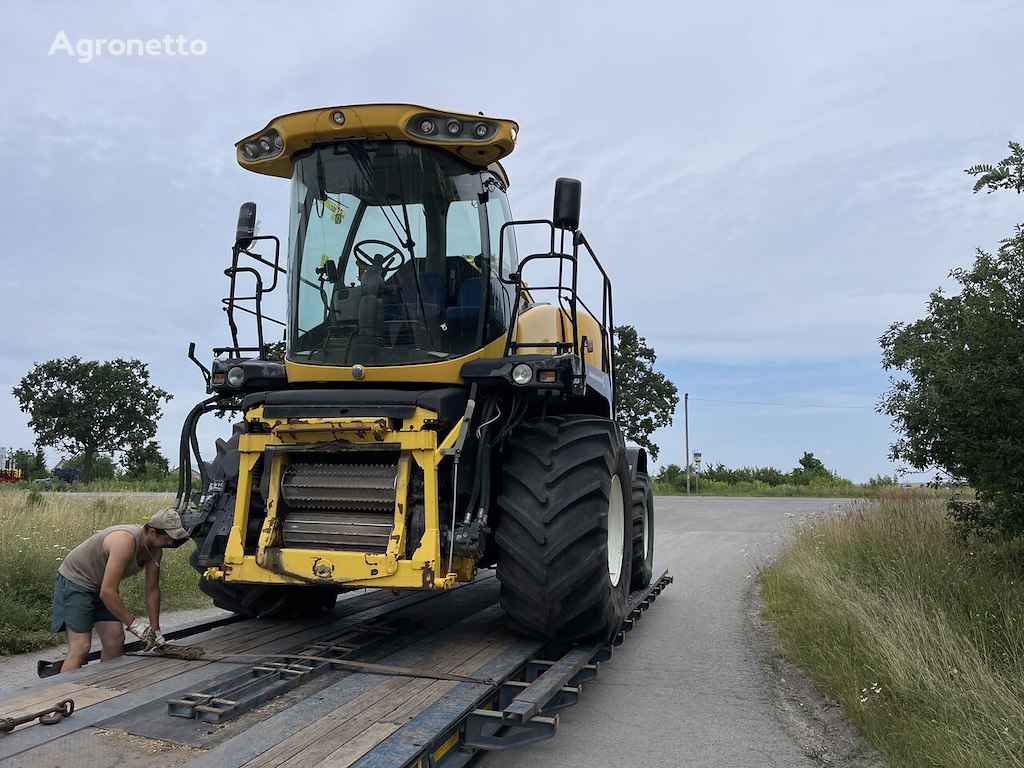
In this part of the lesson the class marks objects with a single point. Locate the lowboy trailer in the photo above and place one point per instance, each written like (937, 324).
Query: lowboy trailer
(409, 679)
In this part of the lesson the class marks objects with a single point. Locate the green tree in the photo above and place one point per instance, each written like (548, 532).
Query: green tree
(32, 465)
(1008, 173)
(39, 463)
(274, 350)
(87, 407)
(647, 399)
(956, 389)
(812, 471)
(769, 476)
(670, 475)
(146, 461)
(103, 467)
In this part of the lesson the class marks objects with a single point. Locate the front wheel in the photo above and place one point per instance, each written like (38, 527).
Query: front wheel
(565, 534)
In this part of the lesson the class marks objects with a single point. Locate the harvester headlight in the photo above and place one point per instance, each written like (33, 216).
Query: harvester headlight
(265, 144)
(250, 151)
(278, 141)
(521, 374)
(236, 376)
(338, 117)
(441, 127)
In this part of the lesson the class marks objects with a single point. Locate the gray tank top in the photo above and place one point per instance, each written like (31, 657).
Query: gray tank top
(85, 563)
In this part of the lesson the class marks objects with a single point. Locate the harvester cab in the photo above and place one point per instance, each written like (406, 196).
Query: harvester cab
(429, 414)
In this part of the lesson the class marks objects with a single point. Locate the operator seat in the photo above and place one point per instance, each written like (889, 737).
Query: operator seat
(463, 316)
(412, 310)
(370, 337)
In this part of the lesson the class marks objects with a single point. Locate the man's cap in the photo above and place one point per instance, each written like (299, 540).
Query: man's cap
(169, 521)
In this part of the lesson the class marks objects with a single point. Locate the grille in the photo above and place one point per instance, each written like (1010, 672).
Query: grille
(339, 506)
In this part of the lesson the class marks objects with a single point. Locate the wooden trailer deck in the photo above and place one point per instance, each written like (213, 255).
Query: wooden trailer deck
(275, 706)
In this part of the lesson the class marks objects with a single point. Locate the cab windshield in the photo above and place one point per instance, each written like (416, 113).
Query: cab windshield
(393, 255)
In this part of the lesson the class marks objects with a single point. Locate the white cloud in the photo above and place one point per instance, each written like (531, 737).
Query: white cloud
(771, 187)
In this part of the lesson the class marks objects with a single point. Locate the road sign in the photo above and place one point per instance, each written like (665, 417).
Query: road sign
(696, 457)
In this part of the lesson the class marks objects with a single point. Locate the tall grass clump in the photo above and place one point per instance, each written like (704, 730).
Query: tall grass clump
(918, 637)
(37, 530)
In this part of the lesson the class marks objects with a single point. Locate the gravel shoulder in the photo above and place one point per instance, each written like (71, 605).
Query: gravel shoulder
(812, 720)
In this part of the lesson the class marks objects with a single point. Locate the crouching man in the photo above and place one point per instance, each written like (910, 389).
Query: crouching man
(86, 591)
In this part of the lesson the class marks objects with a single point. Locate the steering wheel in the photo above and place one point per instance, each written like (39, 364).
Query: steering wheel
(387, 264)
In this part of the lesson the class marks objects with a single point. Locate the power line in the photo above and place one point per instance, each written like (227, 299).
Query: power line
(783, 405)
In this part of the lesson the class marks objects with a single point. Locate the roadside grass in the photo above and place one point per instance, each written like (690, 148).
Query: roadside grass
(37, 530)
(123, 485)
(758, 488)
(109, 485)
(919, 638)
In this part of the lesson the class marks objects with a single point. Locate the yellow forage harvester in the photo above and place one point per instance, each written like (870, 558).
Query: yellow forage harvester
(428, 415)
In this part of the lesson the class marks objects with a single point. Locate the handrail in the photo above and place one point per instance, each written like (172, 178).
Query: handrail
(233, 301)
(567, 296)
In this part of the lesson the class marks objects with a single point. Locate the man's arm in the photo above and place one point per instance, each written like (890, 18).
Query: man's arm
(120, 547)
(153, 589)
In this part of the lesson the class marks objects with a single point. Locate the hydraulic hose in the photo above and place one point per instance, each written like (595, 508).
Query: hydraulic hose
(187, 441)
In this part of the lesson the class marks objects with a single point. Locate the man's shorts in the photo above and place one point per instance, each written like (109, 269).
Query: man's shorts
(77, 608)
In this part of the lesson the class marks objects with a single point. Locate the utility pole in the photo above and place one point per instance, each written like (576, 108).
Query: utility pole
(686, 422)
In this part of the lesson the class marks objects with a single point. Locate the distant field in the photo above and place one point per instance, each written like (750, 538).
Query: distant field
(38, 529)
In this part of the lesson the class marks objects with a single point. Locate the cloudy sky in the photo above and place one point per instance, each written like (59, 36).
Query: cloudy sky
(769, 184)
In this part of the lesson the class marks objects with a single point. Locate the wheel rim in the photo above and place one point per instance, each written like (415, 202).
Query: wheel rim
(616, 531)
(647, 528)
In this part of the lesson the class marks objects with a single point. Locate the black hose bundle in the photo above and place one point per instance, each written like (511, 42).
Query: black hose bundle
(188, 445)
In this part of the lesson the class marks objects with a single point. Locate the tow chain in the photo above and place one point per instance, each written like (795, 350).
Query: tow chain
(50, 716)
(196, 653)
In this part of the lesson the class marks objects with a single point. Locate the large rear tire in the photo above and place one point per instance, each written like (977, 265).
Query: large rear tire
(643, 532)
(565, 533)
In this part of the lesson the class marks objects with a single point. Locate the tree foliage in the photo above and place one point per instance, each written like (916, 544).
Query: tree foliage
(646, 398)
(103, 468)
(811, 471)
(1008, 173)
(145, 462)
(32, 465)
(88, 407)
(957, 391)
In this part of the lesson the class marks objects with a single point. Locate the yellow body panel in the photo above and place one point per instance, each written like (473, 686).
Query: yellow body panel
(272, 563)
(545, 322)
(380, 122)
(442, 372)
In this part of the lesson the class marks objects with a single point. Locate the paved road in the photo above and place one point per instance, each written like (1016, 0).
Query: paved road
(691, 686)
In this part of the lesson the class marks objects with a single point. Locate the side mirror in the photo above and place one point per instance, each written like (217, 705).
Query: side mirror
(567, 204)
(246, 229)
